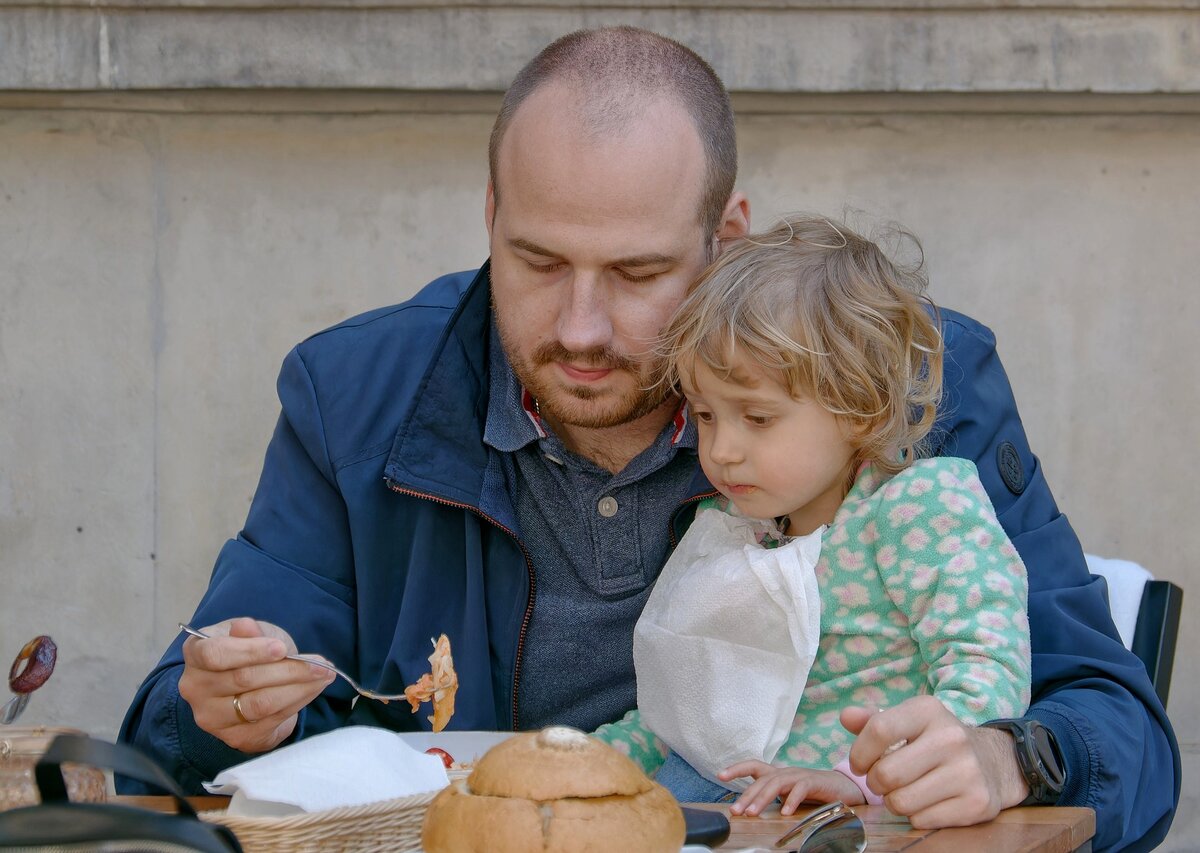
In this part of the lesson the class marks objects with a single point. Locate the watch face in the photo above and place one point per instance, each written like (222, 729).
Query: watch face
(1047, 755)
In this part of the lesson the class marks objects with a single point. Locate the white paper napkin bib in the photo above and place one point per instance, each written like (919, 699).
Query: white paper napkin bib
(351, 766)
(726, 640)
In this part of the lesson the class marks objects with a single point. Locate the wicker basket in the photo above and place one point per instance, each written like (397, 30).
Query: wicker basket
(388, 826)
(20, 749)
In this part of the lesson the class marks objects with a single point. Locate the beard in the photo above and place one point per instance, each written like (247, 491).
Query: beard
(582, 406)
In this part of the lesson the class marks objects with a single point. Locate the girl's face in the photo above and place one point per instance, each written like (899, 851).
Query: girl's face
(769, 453)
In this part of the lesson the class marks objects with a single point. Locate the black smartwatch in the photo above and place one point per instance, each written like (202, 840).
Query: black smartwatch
(1038, 757)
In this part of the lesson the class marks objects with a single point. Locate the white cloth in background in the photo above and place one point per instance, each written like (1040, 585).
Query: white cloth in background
(351, 766)
(726, 640)
(1126, 583)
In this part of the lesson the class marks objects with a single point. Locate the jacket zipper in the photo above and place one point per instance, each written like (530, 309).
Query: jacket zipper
(528, 567)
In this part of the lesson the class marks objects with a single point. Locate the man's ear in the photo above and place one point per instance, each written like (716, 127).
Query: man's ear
(735, 221)
(489, 208)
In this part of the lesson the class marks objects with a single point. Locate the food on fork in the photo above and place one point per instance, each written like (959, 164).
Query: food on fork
(38, 656)
(438, 685)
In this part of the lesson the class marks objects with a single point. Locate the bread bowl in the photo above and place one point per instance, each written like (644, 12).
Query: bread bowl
(558, 791)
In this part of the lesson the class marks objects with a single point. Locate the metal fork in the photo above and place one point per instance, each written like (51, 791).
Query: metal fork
(13, 708)
(362, 691)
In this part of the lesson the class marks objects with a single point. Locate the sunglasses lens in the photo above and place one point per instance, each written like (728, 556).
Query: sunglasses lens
(842, 835)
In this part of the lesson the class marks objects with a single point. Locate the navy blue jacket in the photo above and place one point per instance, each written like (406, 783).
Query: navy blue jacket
(381, 520)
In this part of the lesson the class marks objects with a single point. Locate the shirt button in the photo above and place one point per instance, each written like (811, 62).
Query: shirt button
(608, 506)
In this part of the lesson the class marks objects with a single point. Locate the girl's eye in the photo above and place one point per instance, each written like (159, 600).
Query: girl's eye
(703, 417)
(759, 420)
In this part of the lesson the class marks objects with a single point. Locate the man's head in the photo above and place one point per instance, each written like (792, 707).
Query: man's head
(616, 72)
(605, 162)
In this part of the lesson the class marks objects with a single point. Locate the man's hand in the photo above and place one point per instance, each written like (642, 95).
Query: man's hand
(947, 774)
(244, 661)
(795, 784)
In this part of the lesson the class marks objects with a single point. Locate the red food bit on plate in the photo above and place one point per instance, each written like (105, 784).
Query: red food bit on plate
(447, 759)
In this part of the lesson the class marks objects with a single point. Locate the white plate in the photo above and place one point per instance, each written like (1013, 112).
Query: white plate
(464, 747)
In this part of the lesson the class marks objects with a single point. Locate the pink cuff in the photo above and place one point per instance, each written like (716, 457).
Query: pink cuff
(870, 796)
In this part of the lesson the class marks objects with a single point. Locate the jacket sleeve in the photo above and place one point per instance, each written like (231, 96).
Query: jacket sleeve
(291, 566)
(1086, 685)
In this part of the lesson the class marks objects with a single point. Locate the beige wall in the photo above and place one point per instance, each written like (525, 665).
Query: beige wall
(163, 250)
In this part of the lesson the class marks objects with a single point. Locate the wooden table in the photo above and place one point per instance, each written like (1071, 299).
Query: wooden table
(1045, 830)
(1027, 830)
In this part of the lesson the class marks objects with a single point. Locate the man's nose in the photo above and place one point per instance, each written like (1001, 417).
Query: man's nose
(584, 323)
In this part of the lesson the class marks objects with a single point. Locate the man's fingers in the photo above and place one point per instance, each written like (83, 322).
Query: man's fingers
(906, 764)
(245, 627)
(220, 654)
(940, 798)
(855, 717)
(905, 722)
(269, 707)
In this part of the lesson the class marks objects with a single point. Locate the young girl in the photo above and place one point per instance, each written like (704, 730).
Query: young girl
(812, 367)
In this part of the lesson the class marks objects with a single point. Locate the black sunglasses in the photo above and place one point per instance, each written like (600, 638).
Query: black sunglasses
(834, 828)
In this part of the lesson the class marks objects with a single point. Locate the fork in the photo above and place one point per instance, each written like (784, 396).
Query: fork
(362, 691)
(13, 708)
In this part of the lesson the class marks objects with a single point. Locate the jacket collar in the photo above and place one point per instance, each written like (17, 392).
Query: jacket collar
(438, 450)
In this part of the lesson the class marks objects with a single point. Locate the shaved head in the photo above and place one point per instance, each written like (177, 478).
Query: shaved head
(618, 75)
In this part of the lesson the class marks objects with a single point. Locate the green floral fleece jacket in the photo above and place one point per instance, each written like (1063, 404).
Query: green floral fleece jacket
(921, 592)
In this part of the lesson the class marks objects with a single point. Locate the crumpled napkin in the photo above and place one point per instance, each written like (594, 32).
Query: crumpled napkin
(351, 766)
(726, 640)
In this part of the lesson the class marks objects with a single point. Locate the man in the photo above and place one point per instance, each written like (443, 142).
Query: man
(483, 461)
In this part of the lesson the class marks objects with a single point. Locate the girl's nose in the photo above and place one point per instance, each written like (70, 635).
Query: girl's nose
(724, 448)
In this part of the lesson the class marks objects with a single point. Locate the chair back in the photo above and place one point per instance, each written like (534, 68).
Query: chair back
(1157, 630)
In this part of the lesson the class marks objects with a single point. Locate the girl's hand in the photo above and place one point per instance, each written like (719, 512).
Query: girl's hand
(795, 784)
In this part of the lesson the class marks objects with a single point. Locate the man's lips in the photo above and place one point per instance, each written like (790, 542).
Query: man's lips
(584, 374)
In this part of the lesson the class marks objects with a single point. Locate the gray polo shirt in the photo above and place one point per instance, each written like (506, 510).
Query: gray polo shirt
(597, 540)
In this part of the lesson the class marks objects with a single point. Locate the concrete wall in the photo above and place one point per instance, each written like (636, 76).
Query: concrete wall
(187, 190)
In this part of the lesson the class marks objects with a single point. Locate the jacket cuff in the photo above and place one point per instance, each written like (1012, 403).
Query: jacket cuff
(1073, 735)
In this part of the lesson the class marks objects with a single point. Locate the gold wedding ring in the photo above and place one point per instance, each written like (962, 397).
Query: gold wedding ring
(237, 709)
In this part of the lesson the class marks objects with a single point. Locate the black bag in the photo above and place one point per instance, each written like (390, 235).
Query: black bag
(58, 824)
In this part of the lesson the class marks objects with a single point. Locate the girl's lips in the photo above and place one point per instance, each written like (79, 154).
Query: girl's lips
(739, 488)
(584, 374)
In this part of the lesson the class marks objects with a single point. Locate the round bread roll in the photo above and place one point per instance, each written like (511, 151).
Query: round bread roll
(557, 791)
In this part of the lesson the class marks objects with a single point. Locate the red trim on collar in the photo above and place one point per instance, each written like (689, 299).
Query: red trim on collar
(527, 403)
(681, 422)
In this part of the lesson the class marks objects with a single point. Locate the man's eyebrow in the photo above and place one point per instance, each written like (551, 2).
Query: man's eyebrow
(531, 247)
(652, 259)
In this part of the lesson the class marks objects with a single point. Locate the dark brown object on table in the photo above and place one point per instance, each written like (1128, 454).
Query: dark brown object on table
(38, 657)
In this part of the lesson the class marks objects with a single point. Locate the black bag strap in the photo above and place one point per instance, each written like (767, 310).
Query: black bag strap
(122, 758)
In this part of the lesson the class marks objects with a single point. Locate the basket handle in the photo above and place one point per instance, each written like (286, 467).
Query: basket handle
(122, 758)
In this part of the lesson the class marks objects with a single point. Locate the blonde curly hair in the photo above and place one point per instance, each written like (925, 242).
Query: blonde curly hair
(838, 322)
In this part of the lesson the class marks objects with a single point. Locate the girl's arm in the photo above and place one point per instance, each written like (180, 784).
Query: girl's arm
(629, 736)
(962, 586)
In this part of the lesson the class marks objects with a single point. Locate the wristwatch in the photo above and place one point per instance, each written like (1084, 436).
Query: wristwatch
(1038, 757)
